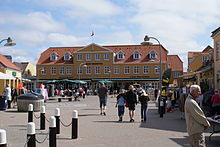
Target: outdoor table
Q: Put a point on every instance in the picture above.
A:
(215, 121)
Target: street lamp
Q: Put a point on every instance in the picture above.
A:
(146, 42)
(80, 68)
(9, 42)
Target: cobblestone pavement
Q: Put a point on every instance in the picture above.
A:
(102, 131)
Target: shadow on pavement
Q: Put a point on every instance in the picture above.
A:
(169, 122)
(83, 115)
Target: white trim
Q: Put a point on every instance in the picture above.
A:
(109, 50)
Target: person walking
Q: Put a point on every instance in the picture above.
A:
(102, 93)
(143, 99)
(7, 93)
(196, 121)
(131, 99)
(121, 104)
(216, 103)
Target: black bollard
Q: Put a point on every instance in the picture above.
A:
(42, 118)
(57, 116)
(52, 132)
(31, 135)
(30, 113)
(3, 140)
(75, 125)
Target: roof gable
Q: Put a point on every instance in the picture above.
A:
(93, 48)
(7, 63)
(175, 63)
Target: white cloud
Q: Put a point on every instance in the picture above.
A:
(177, 24)
(85, 8)
(64, 40)
(117, 38)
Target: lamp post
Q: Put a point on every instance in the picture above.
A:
(161, 101)
(9, 42)
(80, 65)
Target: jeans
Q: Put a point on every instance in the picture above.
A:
(144, 112)
(121, 110)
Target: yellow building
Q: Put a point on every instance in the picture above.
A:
(122, 64)
(7, 67)
(28, 74)
(216, 41)
(200, 68)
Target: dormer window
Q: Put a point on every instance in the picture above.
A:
(136, 55)
(153, 55)
(53, 57)
(67, 56)
(120, 55)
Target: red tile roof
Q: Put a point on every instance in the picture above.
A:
(207, 49)
(193, 54)
(7, 63)
(175, 63)
(127, 49)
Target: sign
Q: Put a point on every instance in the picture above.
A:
(13, 73)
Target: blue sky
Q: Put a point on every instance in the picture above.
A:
(35, 25)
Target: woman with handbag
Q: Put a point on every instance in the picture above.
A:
(143, 99)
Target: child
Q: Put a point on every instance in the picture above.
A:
(143, 98)
(121, 104)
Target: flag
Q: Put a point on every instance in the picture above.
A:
(92, 33)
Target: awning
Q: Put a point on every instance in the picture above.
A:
(6, 77)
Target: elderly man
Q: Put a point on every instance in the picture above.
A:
(196, 121)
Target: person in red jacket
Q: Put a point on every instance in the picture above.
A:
(216, 103)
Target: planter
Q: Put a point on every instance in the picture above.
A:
(24, 100)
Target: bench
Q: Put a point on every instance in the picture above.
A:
(60, 98)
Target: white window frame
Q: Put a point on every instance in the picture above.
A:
(53, 57)
(127, 69)
(136, 55)
(136, 69)
(97, 57)
(68, 70)
(53, 71)
(62, 70)
(88, 70)
(106, 56)
(106, 70)
(116, 70)
(120, 56)
(88, 57)
(43, 71)
(79, 70)
(157, 69)
(153, 55)
(67, 56)
(79, 57)
(145, 69)
(97, 70)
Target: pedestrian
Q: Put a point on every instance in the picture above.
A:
(102, 93)
(216, 103)
(131, 98)
(143, 99)
(121, 104)
(196, 121)
(7, 92)
(14, 95)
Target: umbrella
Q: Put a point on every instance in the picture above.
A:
(105, 81)
(7, 77)
(64, 81)
(51, 81)
(79, 81)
